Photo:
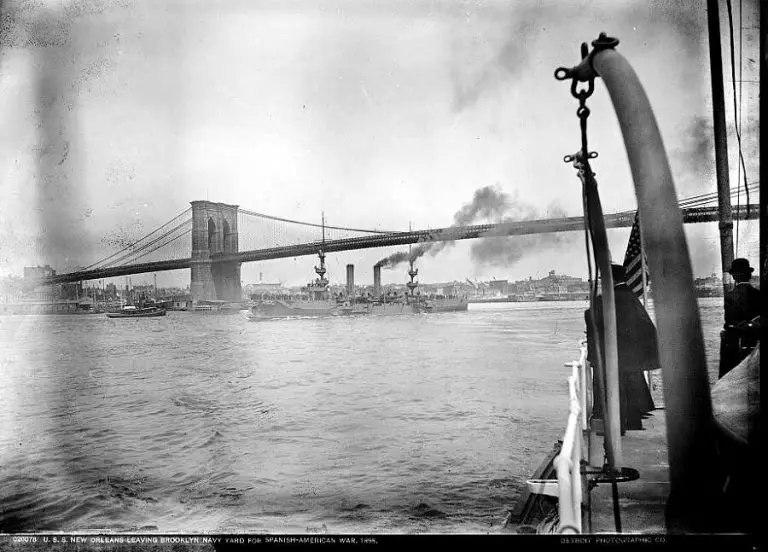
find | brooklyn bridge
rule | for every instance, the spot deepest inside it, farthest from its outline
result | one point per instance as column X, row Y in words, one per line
column 214, row 239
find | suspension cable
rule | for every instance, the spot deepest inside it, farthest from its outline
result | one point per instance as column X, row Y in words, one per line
column 134, row 254
column 159, row 246
column 711, row 197
column 145, row 246
column 130, row 246
column 280, row 219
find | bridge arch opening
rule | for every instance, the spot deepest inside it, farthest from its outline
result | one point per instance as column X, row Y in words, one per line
column 227, row 236
column 211, row 234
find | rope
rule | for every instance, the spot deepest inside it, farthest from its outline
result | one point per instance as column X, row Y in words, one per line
column 735, row 107
column 587, row 231
column 738, row 176
column 588, row 177
column 548, row 525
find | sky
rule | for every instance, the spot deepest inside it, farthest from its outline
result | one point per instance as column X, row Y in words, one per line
column 380, row 114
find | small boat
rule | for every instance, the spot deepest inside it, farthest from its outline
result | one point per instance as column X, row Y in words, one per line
column 132, row 311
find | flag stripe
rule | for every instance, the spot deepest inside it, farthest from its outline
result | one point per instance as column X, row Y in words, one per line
column 633, row 263
column 633, row 267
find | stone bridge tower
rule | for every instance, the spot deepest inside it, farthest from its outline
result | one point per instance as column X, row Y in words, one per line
column 214, row 232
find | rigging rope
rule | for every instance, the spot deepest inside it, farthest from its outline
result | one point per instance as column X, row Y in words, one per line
column 580, row 161
column 742, row 165
column 738, row 176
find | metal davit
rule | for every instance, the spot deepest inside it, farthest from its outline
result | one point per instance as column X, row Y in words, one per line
column 693, row 459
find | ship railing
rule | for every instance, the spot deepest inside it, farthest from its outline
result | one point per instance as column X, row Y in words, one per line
column 568, row 487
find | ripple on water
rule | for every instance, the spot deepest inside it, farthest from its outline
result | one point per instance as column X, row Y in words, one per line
column 387, row 424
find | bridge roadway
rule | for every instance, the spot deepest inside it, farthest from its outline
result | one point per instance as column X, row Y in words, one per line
column 569, row 224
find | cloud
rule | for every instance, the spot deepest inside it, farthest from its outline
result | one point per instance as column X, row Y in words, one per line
column 489, row 54
column 61, row 70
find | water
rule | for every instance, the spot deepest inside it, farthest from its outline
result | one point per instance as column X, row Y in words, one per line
column 191, row 422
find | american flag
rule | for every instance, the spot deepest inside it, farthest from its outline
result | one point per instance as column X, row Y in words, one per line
column 633, row 266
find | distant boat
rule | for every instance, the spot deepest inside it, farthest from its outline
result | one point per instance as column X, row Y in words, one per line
column 132, row 311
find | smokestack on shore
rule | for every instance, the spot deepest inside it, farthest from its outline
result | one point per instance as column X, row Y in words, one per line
column 377, row 281
column 351, row 281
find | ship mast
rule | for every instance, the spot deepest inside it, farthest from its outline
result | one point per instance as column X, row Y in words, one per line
column 318, row 289
column 721, row 142
column 412, row 272
column 321, row 269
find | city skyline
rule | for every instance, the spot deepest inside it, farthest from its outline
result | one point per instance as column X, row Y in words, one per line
column 147, row 279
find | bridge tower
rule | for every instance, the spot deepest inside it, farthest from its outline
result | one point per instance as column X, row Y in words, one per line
column 214, row 232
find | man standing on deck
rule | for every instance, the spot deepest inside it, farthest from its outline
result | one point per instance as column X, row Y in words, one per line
column 637, row 349
column 742, row 317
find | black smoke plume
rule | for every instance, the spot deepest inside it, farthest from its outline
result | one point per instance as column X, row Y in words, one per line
column 497, row 248
column 489, row 204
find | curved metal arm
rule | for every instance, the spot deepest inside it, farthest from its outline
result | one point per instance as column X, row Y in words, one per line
column 690, row 430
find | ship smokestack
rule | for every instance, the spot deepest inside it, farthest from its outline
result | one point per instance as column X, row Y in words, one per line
column 377, row 281
column 350, row 281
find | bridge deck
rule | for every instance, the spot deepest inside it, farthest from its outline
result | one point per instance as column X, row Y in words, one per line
column 568, row 224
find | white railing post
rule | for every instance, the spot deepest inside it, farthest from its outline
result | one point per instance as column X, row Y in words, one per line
column 568, row 465
column 576, row 475
column 568, row 487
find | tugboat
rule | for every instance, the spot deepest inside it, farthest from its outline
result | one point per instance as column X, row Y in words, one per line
column 132, row 311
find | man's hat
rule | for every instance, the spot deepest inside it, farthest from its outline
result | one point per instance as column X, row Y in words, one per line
column 741, row 266
column 618, row 273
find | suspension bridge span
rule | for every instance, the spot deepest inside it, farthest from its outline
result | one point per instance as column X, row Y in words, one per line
column 214, row 239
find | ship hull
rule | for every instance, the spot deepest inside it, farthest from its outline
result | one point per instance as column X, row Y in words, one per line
column 449, row 306
column 390, row 309
column 148, row 313
column 304, row 309
column 314, row 309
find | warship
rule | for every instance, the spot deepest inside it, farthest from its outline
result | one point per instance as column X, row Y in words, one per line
column 320, row 302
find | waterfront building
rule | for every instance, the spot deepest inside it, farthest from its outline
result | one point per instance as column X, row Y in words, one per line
column 500, row 287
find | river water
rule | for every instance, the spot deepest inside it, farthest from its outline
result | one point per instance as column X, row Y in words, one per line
column 196, row 423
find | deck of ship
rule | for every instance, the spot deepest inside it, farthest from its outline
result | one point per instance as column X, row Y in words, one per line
column 641, row 501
